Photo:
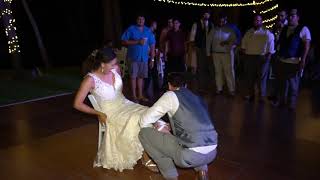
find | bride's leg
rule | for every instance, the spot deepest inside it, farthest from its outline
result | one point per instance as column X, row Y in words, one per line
column 148, row 162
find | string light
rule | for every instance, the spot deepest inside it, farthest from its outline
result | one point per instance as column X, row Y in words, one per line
column 271, row 19
column 6, row 11
column 267, row 10
column 270, row 26
column 10, row 28
column 270, row 9
column 253, row 3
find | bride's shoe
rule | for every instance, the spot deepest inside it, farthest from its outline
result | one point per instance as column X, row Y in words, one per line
column 150, row 165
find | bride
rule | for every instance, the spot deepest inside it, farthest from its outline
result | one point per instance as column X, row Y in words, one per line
column 120, row 148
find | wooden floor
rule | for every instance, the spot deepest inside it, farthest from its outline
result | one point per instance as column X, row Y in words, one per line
column 49, row 140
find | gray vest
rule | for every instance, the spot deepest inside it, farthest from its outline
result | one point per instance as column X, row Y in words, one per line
column 192, row 124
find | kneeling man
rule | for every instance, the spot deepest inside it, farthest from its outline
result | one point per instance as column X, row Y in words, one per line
column 194, row 139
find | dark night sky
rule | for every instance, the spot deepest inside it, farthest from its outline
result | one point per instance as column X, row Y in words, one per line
column 72, row 28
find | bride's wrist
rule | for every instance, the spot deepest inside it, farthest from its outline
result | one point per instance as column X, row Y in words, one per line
column 99, row 113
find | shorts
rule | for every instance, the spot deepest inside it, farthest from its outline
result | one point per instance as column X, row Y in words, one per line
column 138, row 69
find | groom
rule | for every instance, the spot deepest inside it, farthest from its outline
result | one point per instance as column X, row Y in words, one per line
column 194, row 140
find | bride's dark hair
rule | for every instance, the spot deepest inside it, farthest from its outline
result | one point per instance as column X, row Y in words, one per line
column 98, row 56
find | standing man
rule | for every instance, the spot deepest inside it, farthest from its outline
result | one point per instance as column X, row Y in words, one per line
column 151, row 83
column 198, row 36
column 163, row 36
column 280, row 24
column 140, row 42
column 257, row 46
column 294, row 46
column 194, row 140
column 220, row 45
column 176, row 40
column 235, row 50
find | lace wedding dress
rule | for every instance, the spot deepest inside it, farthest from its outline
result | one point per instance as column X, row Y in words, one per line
column 120, row 148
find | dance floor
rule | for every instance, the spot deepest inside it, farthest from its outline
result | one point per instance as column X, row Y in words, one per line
column 49, row 140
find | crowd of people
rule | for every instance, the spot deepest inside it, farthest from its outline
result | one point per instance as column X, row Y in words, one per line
column 189, row 139
column 210, row 50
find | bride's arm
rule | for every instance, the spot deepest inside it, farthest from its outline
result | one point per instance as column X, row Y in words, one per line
column 82, row 93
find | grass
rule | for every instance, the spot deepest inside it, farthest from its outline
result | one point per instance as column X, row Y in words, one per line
column 54, row 82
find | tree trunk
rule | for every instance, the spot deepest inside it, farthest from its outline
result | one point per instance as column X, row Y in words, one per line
column 43, row 51
column 112, row 21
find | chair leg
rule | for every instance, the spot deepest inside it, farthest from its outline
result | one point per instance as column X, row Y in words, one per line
column 100, row 135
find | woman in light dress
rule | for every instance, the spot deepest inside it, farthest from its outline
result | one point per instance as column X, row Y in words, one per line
column 120, row 148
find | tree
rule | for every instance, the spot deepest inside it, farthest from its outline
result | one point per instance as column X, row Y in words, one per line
column 10, row 30
column 43, row 51
column 112, row 21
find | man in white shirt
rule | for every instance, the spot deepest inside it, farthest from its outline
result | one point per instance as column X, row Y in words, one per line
column 258, row 46
column 294, row 46
column 220, row 44
column 194, row 139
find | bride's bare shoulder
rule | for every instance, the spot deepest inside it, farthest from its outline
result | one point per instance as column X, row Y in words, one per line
column 117, row 68
column 88, row 80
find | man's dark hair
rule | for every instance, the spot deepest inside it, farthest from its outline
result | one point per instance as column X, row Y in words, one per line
column 206, row 11
column 222, row 15
column 294, row 11
column 283, row 10
column 256, row 15
column 176, row 19
column 176, row 79
column 140, row 14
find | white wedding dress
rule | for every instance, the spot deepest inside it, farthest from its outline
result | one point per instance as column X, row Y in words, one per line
column 120, row 148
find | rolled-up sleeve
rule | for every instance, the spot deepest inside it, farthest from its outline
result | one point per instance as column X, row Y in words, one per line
column 270, row 43
column 126, row 35
column 193, row 32
column 305, row 34
column 159, row 109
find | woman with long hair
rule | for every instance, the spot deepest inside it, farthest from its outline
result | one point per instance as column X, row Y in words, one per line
column 120, row 148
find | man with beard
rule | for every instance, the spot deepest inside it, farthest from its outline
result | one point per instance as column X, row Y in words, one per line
column 198, row 36
column 294, row 46
column 257, row 46
column 140, row 41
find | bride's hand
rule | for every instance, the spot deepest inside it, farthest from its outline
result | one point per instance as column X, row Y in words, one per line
column 162, row 127
column 102, row 118
column 165, row 129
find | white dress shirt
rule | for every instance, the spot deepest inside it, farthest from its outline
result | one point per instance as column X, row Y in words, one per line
column 218, row 35
column 258, row 42
column 168, row 103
